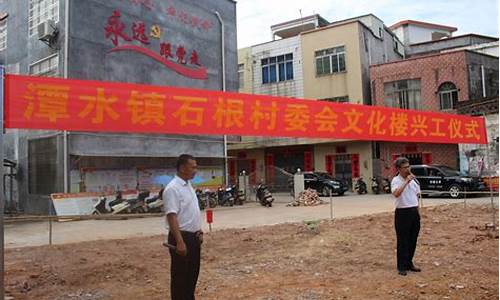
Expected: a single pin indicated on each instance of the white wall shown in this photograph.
(419, 34)
(289, 88)
(472, 164)
(486, 48)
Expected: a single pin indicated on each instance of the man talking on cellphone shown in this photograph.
(406, 189)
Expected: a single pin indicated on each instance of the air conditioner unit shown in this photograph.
(46, 30)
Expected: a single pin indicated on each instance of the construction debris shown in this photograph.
(308, 197)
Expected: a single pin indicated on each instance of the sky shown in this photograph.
(255, 17)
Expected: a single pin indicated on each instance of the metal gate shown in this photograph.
(343, 168)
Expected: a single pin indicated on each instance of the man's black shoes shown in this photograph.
(402, 272)
(415, 269)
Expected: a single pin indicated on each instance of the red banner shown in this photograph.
(78, 105)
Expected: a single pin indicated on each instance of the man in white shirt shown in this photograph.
(406, 189)
(184, 221)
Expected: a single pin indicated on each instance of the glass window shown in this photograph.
(326, 65)
(41, 11)
(46, 67)
(319, 66)
(265, 74)
(330, 60)
(448, 96)
(272, 73)
(281, 70)
(3, 34)
(289, 70)
(403, 94)
(278, 68)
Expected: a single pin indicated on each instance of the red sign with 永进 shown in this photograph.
(79, 105)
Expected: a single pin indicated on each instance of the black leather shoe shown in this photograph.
(402, 272)
(415, 269)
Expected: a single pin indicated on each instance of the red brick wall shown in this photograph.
(442, 154)
(432, 70)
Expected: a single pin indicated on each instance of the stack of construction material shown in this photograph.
(308, 197)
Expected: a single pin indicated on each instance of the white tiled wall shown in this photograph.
(289, 88)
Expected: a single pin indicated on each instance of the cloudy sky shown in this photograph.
(255, 17)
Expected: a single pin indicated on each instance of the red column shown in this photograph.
(355, 165)
(329, 164)
(270, 168)
(308, 161)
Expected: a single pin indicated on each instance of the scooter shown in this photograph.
(360, 186)
(100, 206)
(375, 186)
(212, 198)
(386, 185)
(155, 204)
(135, 205)
(202, 199)
(238, 195)
(225, 196)
(264, 196)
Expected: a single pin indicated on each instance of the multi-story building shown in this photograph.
(436, 82)
(328, 63)
(413, 32)
(85, 40)
(478, 43)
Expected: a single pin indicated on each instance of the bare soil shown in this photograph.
(342, 259)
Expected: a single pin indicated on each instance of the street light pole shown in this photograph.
(223, 48)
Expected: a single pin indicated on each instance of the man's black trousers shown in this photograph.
(184, 270)
(407, 223)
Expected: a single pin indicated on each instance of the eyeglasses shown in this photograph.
(404, 167)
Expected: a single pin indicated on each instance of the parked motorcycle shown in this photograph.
(225, 196)
(100, 206)
(202, 199)
(360, 186)
(375, 186)
(386, 185)
(238, 195)
(155, 204)
(134, 205)
(264, 196)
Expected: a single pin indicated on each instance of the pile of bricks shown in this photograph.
(308, 197)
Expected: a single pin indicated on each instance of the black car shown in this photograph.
(323, 183)
(444, 180)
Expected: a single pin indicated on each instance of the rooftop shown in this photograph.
(423, 24)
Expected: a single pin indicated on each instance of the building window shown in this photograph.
(42, 166)
(277, 68)
(340, 99)
(41, 11)
(448, 96)
(329, 61)
(3, 34)
(46, 67)
(241, 75)
(403, 94)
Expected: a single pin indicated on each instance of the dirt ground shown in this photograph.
(342, 259)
